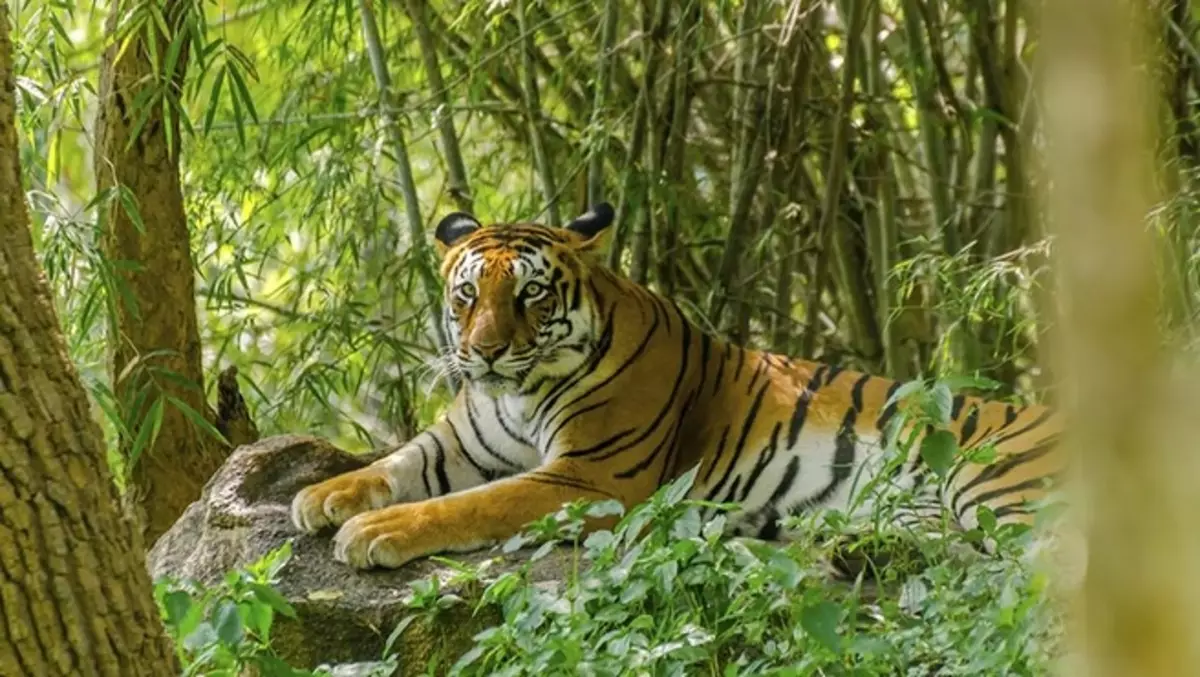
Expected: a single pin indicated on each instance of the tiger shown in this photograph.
(578, 384)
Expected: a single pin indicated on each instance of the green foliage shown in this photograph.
(225, 628)
(664, 594)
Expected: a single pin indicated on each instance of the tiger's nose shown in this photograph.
(490, 352)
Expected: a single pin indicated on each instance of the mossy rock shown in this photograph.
(343, 615)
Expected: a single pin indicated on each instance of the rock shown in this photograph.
(343, 615)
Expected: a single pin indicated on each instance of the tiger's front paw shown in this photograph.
(386, 538)
(340, 498)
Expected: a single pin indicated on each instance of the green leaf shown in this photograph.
(957, 383)
(228, 623)
(177, 603)
(941, 401)
(271, 597)
(396, 633)
(785, 569)
(937, 450)
(129, 204)
(821, 622)
(904, 391)
(196, 418)
(679, 488)
(986, 519)
(148, 432)
(201, 637)
(214, 100)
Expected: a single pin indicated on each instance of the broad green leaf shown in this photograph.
(937, 450)
(821, 620)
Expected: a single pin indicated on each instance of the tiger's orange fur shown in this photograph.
(580, 384)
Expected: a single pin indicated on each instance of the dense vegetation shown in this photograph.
(849, 181)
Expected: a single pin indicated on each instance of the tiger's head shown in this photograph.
(519, 308)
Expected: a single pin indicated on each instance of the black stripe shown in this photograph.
(716, 457)
(1001, 468)
(505, 426)
(1010, 414)
(1035, 483)
(834, 372)
(747, 425)
(684, 363)
(856, 393)
(425, 470)
(952, 476)
(542, 414)
(482, 442)
(764, 459)
(741, 362)
(669, 441)
(956, 406)
(1024, 429)
(560, 483)
(844, 456)
(801, 409)
(969, 426)
(486, 474)
(758, 373)
(705, 356)
(578, 412)
(587, 451)
(732, 493)
(1017, 508)
(440, 467)
(669, 464)
(721, 370)
(770, 528)
(890, 410)
(785, 482)
(565, 385)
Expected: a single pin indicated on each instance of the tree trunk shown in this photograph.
(75, 594)
(154, 340)
(1135, 438)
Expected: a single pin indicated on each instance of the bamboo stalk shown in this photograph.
(604, 72)
(929, 121)
(408, 187)
(460, 190)
(529, 91)
(675, 146)
(835, 172)
(884, 244)
(653, 25)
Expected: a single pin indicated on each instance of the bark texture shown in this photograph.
(75, 596)
(154, 324)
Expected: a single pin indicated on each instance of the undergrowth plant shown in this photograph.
(664, 593)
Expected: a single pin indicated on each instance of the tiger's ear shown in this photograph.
(452, 227)
(592, 224)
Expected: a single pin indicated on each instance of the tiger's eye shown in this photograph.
(533, 291)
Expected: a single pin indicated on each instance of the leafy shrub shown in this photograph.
(664, 593)
(225, 628)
